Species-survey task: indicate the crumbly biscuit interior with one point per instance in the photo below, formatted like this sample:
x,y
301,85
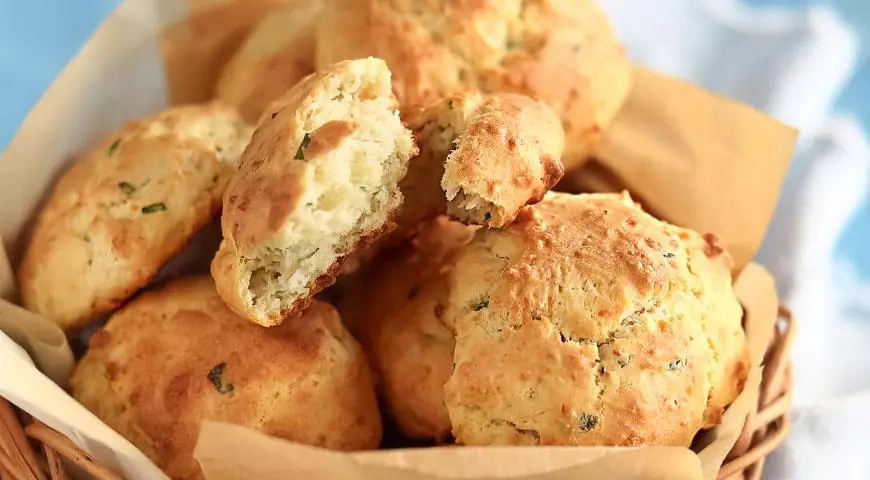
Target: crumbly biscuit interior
x,y
350,192
471,208
446,135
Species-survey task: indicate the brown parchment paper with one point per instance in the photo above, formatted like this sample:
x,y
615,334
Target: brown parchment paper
x,y
693,158
229,452
120,75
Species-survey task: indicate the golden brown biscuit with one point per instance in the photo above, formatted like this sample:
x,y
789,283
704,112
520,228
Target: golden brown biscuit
x,y
500,152
396,311
319,180
580,324
125,208
177,356
563,52
195,49
277,54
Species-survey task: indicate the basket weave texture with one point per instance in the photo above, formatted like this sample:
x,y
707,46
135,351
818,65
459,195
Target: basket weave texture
x,y
29,450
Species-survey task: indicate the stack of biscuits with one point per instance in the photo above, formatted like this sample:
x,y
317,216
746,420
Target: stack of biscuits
x,y
390,247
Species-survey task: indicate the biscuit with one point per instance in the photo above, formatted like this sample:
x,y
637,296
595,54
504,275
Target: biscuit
x,y
482,157
581,324
177,356
396,311
277,54
319,180
499,152
562,52
125,208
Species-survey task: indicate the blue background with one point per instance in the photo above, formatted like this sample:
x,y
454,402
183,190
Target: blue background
x,y
38,37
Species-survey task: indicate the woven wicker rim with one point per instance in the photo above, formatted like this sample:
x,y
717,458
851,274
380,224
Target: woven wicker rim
x,y
765,428
768,424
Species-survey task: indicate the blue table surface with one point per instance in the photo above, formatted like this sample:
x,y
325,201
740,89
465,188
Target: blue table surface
x,y
38,37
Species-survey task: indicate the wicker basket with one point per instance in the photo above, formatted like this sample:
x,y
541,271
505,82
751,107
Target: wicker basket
x,y
765,428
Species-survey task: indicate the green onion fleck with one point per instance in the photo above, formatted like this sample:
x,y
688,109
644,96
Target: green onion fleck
x,y
483,303
587,422
154,208
113,147
300,152
364,188
215,376
127,188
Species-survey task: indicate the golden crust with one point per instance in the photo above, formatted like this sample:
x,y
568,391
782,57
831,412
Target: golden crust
x,y
277,54
396,311
563,52
227,273
177,355
580,324
500,152
125,208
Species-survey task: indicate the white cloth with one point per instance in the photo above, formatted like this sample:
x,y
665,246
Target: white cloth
x,y
793,65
